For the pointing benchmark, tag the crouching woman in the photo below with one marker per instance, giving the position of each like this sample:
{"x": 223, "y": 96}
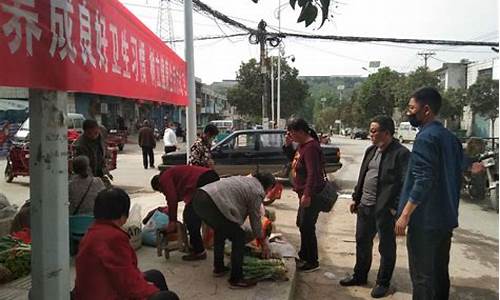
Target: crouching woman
{"x": 224, "y": 205}
{"x": 106, "y": 264}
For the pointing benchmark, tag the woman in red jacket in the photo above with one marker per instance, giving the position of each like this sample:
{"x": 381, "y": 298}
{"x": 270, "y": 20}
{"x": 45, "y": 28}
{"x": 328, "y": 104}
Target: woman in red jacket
{"x": 106, "y": 264}
{"x": 308, "y": 180}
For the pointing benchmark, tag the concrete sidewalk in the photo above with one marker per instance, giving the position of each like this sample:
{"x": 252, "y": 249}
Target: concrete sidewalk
{"x": 190, "y": 280}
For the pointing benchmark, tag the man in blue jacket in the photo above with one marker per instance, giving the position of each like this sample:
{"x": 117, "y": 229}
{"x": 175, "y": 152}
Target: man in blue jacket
{"x": 430, "y": 195}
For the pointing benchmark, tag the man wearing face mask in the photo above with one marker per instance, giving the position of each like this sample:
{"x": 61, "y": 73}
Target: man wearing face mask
{"x": 430, "y": 196}
{"x": 375, "y": 200}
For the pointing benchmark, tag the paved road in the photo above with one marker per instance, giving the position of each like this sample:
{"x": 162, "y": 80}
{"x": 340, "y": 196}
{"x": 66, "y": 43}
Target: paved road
{"x": 474, "y": 255}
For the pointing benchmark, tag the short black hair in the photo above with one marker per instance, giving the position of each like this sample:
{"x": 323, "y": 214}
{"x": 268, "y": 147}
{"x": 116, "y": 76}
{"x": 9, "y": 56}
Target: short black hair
{"x": 428, "y": 96}
{"x": 111, "y": 204}
{"x": 211, "y": 129}
{"x": 266, "y": 179}
{"x": 89, "y": 124}
{"x": 385, "y": 123}
{"x": 155, "y": 183}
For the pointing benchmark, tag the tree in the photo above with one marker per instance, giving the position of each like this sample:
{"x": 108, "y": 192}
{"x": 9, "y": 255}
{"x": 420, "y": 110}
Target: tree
{"x": 483, "y": 98}
{"x": 421, "y": 77}
{"x": 452, "y": 106}
{"x": 377, "y": 95}
{"x": 246, "y": 95}
{"x": 309, "y": 10}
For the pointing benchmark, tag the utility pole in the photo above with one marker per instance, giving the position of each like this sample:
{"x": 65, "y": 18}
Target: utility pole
{"x": 189, "y": 56}
{"x": 262, "y": 34}
{"x": 165, "y": 23}
{"x": 426, "y": 55}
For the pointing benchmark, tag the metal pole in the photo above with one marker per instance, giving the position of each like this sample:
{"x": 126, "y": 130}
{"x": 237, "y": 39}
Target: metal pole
{"x": 278, "y": 105}
{"x": 272, "y": 91}
{"x": 49, "y": 195}
{"x": 263, "y": 66}
{"x": 189, "y": 56}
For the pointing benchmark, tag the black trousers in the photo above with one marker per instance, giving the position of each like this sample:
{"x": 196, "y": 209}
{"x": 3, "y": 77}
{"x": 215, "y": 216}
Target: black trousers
{"x": 224, "y": 229}
{"x": 169, "y": 149}
{"x": 428, "y": 257}
{"x": 148, "y": 152}
{"x": 192, "y": 220}
{"x": 157, "y": 278}
{"x": 367, "y": 226}
{"x": 306, "y": 221}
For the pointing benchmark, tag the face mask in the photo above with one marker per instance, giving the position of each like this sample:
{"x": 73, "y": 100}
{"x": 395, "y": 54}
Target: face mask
{"x": 414, "y": 121}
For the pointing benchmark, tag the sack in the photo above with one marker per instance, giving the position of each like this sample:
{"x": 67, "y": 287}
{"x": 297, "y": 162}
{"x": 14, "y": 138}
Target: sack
{"x": 325, "y": 200}
{"x": 133, "y": 226}
{"x": 156, "y": 221}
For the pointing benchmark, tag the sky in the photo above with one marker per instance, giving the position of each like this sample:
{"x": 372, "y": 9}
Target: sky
{"x": 220, "y": 59}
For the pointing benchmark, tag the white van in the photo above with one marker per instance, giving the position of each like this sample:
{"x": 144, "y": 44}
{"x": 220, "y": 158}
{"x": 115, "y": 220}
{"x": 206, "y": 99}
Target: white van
{"x": 406, "y": 132}
{"x": 74, "y": 122}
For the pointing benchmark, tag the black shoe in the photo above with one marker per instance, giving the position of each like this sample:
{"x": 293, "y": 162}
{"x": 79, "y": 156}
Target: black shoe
{"x": 241, "y": 284}
{"x": 352, "y": 281}
{"x": 152, "y": 166}
{"x": 221, "y": 272}
{"x": 195, "y": 256}
{"x": 379, "y": 291}
{"x": 309, "y": 267}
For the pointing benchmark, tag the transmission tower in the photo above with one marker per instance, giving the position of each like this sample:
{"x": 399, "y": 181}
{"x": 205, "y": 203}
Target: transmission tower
{"x": 165, "y": 24}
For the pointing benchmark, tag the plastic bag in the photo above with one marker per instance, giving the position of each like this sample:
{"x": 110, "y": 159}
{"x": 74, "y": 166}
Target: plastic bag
{"x": 156, "y": 221}
{"x": 133, "y": 226}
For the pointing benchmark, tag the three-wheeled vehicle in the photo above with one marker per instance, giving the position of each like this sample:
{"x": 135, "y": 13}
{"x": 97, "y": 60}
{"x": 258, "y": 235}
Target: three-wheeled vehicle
{"x": 19, "y": 153}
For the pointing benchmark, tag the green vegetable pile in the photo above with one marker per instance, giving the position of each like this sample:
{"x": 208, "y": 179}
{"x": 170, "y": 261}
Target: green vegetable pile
{"x": 15, "y": 256}
{"x": 261, "y": 269}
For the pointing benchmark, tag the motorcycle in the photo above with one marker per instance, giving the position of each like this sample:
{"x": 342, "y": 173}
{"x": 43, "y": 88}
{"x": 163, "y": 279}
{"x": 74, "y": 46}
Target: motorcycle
{"x": 490, "y": 162}
{"x": 484, "y": 186}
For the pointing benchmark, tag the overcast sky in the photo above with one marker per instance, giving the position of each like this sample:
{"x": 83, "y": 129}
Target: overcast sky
{"x": 425, "y": 19}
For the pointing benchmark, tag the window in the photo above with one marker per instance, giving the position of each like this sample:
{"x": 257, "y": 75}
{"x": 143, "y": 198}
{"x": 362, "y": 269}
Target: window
{"x": 245, "y": 141}
{"x": 272, "y": 140}
{"x": 78, "y": 123}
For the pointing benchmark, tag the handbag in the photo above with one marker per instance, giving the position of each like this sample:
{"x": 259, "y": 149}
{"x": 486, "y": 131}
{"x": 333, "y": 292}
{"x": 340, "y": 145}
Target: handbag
{"x": 326, "y": 199}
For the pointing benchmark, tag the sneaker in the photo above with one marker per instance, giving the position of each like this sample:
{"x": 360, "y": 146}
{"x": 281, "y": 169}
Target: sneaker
{"x": 195, "y": 256}
{"x": 379, "y": 291}
{"x": 309, "y": 267}
{"x": 241, "y": 284}
{"x": 221, "y": 272}
{"x": 352, "y": 281}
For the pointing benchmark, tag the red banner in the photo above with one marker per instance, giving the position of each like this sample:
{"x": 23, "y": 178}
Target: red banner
{"x": 94, "y": 46}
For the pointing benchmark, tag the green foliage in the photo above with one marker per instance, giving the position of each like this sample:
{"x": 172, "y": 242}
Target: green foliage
{"x": 246, "y": 96}
{"x": 377, "y": 95}
{"x": 309, "y": 10}
{"x": 483, "y": 97}
{"x": 421, "y": 77}
{"x": 453, "y": 103}
{"x": 326, "y": 87}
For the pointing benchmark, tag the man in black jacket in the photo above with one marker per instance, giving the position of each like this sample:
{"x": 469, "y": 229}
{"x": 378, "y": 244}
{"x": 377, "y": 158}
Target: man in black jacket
{"x": 375, "y": 201}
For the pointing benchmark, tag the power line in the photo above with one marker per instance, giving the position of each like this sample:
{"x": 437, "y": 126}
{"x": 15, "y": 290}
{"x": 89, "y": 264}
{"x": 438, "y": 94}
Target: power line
{"x": 204, "y": 38}
{"x": 426, "y": 55}
{"x": 224, "y": 18}
{"x": 389, "y": 40}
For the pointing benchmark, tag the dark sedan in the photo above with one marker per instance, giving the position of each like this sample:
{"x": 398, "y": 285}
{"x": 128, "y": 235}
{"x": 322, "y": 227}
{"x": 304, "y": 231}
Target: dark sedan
{"x": 246, "y": 151}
